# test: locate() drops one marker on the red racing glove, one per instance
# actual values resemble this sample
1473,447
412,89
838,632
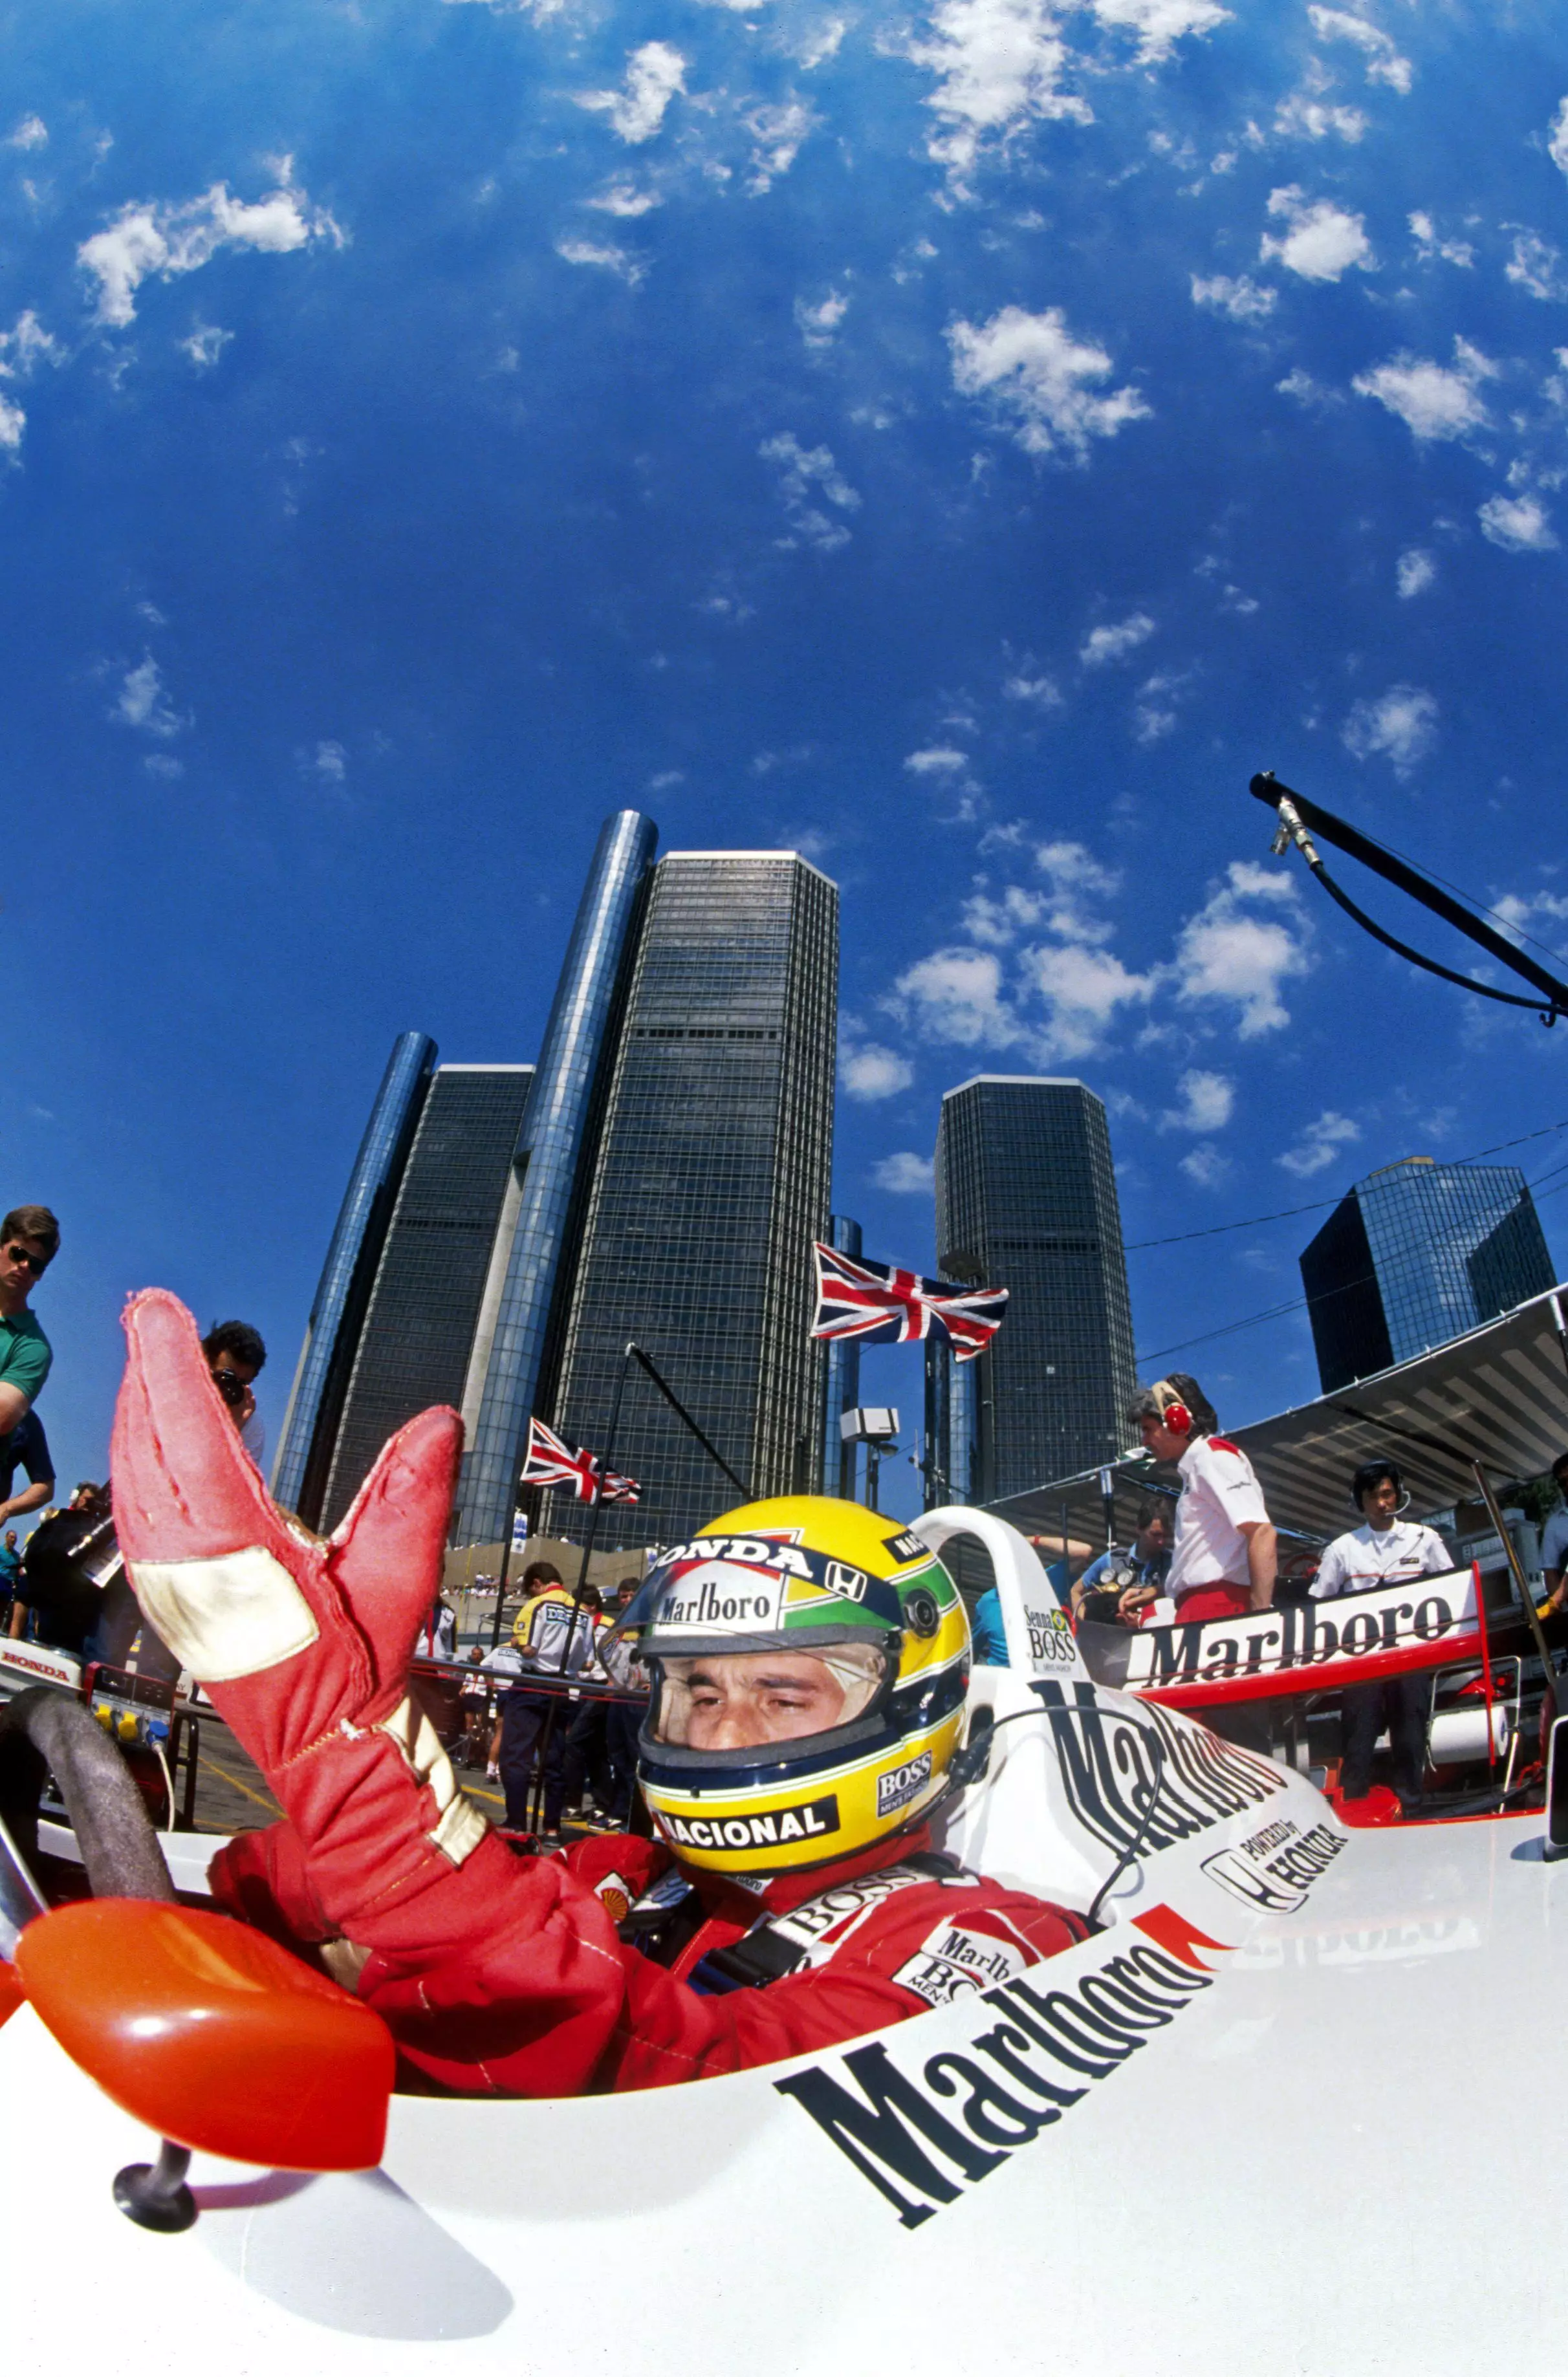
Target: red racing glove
304,1644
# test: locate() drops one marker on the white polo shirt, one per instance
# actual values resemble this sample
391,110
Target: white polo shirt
1219,1497
1368,1556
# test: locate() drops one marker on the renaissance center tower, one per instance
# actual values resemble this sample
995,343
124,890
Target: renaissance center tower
711,1181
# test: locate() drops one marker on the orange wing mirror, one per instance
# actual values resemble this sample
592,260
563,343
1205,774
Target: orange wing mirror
211,2034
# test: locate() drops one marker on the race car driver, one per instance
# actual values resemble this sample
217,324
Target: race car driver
810,1669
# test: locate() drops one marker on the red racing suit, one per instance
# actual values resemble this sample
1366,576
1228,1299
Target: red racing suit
544,1997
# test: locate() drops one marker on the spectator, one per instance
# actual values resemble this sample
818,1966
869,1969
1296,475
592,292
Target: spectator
622,1720
474,1701
439,1635
1386,1549
236,1354
10,1566
1116,1588
30,1239
27,1446
1554,1538
552,1639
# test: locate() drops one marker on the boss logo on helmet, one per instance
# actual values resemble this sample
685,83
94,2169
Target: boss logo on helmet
777,1829
903,1782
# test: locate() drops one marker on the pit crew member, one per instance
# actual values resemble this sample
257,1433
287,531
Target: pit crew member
1223,1559
809,1667
1120,1584
1386,1549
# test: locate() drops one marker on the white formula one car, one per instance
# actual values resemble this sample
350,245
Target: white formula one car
1274,2113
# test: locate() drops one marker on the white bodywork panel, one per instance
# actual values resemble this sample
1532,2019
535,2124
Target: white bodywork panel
1318,2158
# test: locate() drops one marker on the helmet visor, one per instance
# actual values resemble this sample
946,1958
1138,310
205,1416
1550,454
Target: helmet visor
738,1700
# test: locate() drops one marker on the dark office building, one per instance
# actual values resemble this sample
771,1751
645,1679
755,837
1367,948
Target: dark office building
711,1181
1416,1254
416,1345
1027,1200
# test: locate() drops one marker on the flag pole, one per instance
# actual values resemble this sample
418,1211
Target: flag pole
536,1796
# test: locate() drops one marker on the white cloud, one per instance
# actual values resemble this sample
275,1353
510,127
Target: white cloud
654,75
13,421
955,996
805,473
1430,249
1319,1144
1323,241
1557,145
1519,523
870,1073
1071,871
1154,712
1083,989
1244,299
1114,643
31,133
22,349
818,324
604,256
144,704
624,199
1206,1164
1515,915
1302,117
778,134
998,66
906,1174
1235,953
1160,24
1208,1101
205,345
331,763
149,236
1384,61
1033,368
1418,570
1431,399
998,922
1302,388
162,764
1534,265
1034,684
1400,723
941,760
820,42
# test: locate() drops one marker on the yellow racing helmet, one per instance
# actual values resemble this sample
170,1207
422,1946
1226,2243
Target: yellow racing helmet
762,1592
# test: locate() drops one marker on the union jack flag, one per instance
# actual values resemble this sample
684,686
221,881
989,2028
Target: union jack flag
887,1306
552,1463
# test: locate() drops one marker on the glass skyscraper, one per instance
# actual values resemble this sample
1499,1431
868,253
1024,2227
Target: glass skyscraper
444,1242
316,1400
1416,1254
1027,1200
523,1322
711,1181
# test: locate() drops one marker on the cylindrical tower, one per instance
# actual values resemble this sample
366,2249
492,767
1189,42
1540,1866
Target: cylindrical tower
304,1446
557,1129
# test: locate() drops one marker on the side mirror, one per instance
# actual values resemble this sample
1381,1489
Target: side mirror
212,2033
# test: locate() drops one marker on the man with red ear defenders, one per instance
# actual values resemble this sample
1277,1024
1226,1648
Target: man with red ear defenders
1223,1561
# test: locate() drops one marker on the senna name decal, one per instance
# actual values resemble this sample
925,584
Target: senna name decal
1418,1624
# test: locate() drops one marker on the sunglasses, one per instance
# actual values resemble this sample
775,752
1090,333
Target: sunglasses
37,1264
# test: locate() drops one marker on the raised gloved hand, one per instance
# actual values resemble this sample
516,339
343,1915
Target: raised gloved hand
303,1644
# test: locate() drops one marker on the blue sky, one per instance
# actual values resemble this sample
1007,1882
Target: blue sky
963,443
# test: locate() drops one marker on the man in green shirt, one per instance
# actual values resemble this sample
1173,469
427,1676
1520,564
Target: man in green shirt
30,1239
